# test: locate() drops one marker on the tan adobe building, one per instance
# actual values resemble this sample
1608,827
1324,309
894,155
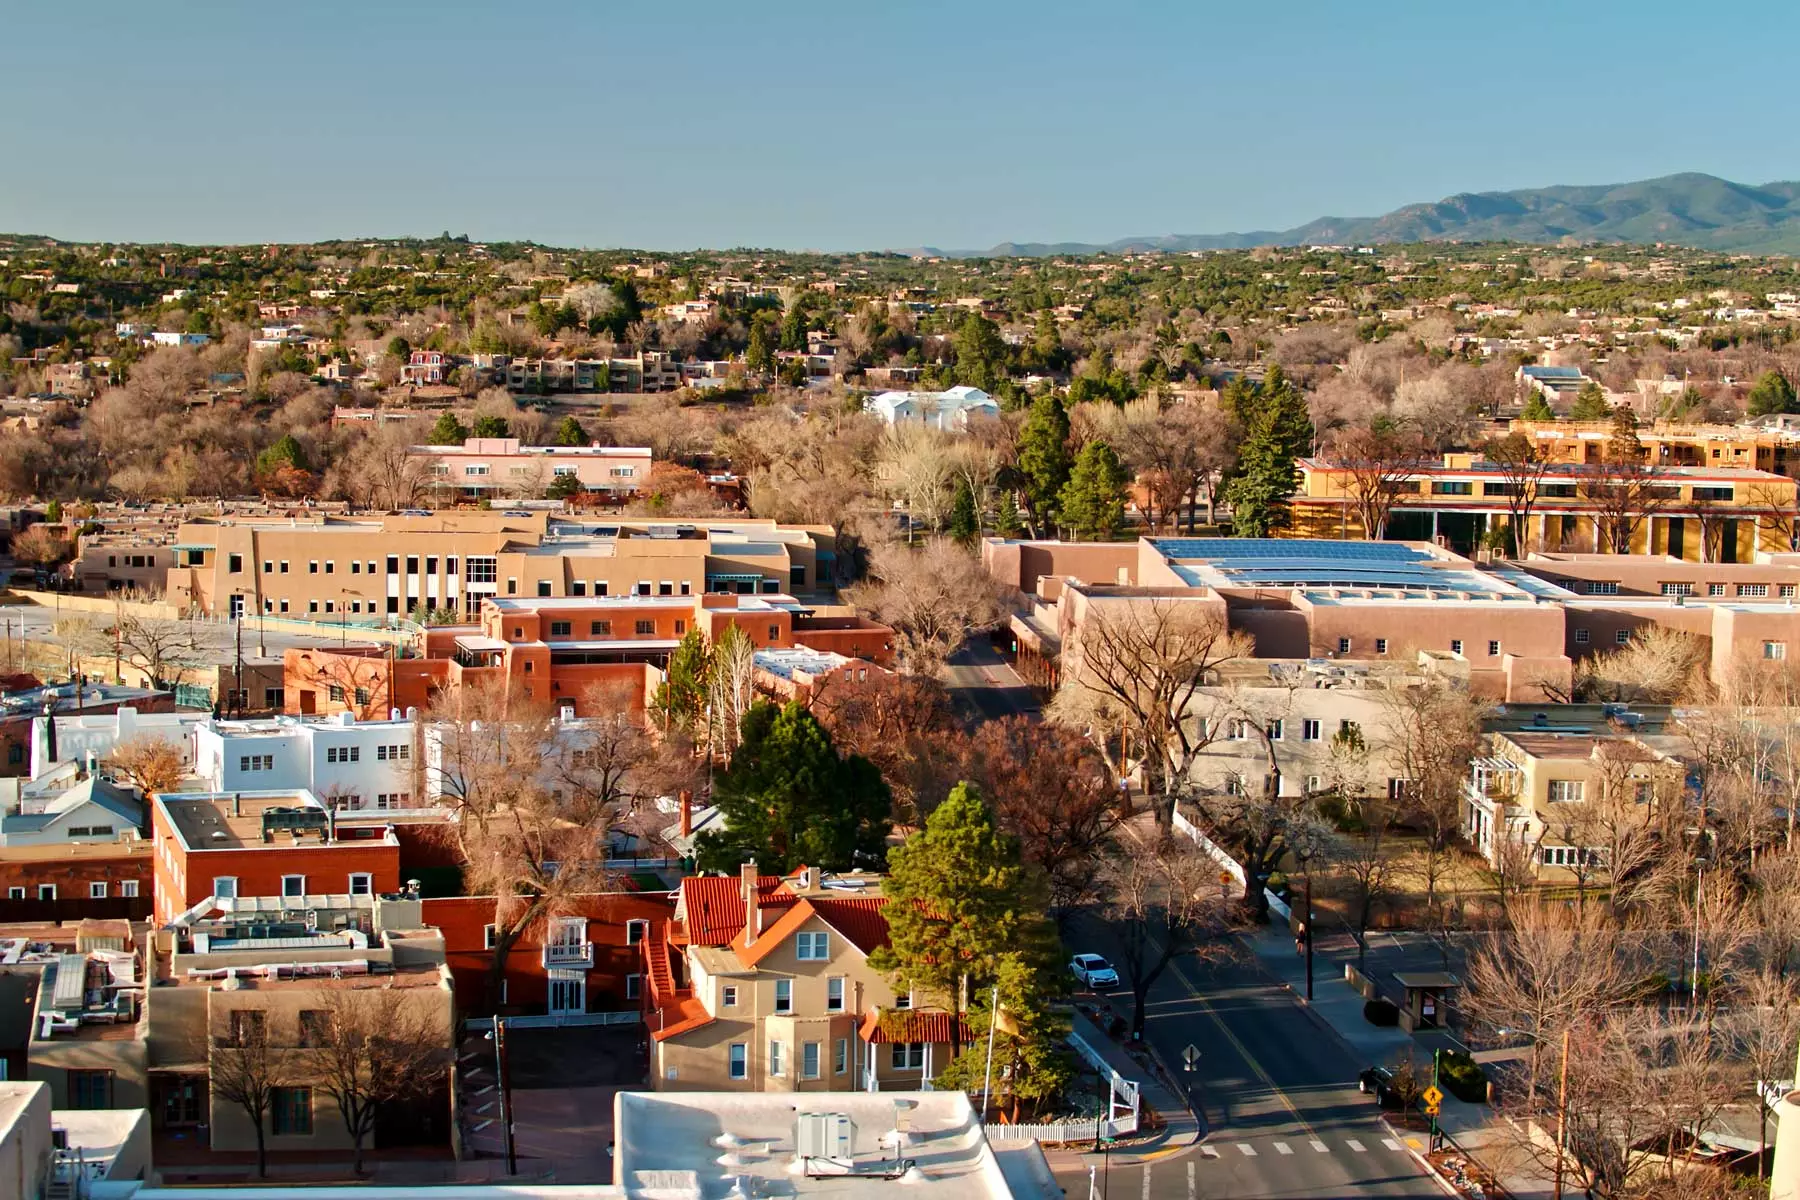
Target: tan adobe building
376,568
1560,796
484,468
762,983
1701,511
1771,446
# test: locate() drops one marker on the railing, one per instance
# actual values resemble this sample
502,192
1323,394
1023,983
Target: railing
569,955
1228,864
557,1020
1060,1131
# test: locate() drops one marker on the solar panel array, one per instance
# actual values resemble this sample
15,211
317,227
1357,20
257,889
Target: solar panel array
1293,562
1225,550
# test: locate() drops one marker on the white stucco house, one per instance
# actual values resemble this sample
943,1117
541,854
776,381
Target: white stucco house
946,410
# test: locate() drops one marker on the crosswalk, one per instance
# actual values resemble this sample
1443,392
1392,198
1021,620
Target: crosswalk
1248,1148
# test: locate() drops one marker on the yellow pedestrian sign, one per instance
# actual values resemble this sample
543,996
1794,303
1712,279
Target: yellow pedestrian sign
1432,1098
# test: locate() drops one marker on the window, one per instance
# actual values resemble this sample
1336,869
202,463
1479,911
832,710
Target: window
234,563
450,565
1621,636
330,566
784,995
512,585
834,994
312,567
600,586
1677,589
665,588
728,997
1453,487
362,883
1712,493
1381,645
480,570
90,1089
1581,637
336,692
1785,591
1349,729
776,1054
1603,587
1275,730
1774,651
1715,589
631,986
15,893
643,587
1753,591
738,1055
315,1027
284,566
543,587
1309,730
393,799
490,936
96,891
840,1057
396,752
561,628
646,628
1343,645
347,754
680,627
814,947
247,1026
293,885
635,931
907,1056
809,1060
1237,729
1234,784
1565,791
268,566
128,888
904,1001
1315,783
290,1111
1456,645
1493,649
362,697
355,567
225,887
1643,791
599,628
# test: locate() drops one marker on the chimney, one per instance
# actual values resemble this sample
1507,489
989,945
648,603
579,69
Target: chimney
687,813
237,804
747,877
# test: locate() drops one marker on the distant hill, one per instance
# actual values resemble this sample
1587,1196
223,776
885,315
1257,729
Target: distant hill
1691,209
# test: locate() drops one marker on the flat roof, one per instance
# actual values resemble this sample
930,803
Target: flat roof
1309,563
234,820
784,663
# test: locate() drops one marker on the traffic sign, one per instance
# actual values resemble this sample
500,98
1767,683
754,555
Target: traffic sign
1431,1110
1190,1056
1432,1098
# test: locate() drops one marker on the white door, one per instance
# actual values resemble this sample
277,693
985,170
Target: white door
568,990
237,606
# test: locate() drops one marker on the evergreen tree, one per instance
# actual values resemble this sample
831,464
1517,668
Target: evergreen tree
1093,501
1772,394
448,431
1292,424
490,427
1044,459
1590,404
1259,493
789,798
980,353
1046,342
1031,1066
570,433
961,905
760,354
286,452
53,512
1006,518
965,525
1538,409
682,694
793,329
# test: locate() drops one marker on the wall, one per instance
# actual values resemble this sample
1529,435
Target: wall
71,869
127,1057
25,1148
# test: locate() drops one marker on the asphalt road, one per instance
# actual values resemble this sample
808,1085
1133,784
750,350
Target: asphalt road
985,683
1279,1096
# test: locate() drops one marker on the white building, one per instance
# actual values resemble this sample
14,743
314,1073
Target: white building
947,410
74,738
64,809
346,763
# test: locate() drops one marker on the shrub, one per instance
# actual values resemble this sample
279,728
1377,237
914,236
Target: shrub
1381,1012
1462,1077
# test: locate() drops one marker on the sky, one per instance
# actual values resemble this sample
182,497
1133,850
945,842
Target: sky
846,126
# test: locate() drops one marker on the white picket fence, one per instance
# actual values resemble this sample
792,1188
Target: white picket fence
1228,864
1124,1106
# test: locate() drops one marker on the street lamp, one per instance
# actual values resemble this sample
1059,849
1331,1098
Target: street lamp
1699,882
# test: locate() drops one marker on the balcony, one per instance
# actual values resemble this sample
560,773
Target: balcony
570,954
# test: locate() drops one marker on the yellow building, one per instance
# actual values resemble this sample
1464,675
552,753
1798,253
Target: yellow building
1697,514
1773,447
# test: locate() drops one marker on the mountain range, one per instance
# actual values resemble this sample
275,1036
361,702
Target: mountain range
1690,209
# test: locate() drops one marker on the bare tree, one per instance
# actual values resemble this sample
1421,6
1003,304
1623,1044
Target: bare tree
933,597
1432,730
164,648
730,688
1162,901
1378,466
244,1070
149,763
1762,1026
374,1049
1365,867
1522,464
1623,487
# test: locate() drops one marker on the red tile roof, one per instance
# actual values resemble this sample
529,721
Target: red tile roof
713,909
912,1025
857,918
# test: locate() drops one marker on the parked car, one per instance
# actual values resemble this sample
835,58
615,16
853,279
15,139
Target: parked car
1093,972
1379,1082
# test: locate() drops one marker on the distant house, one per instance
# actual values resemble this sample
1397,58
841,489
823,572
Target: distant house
947,410
425,367
162,338
1553,383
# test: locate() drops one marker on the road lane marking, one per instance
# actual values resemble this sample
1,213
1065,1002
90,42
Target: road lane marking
1354,1144
1248,1149
1282,1148
1321,1147
1193,1187
1390,1143
1146,1183
1243,1051
1210,1151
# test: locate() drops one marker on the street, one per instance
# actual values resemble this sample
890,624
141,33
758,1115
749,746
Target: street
980,679
1278,1094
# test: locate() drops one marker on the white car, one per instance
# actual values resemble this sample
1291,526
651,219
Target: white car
1093,972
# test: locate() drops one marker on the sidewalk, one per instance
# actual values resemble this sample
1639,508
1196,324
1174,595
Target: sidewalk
1180,1130
1338,1009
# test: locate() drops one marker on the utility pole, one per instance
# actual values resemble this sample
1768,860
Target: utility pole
987,1076
506,1116
1309,934
1562,1114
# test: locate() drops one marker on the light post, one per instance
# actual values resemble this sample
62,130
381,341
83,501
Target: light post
1562,1098
498,1034
1699,882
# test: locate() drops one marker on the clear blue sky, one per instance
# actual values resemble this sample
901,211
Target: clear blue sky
856,125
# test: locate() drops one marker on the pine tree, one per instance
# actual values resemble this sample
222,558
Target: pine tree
965,525
793,329
448,431
1772,394
490,427
682,693
1044,459
760,353
570,433
1093,501
1538,409
1006,518
1266,478
1590,404
980,353
286,452
789,798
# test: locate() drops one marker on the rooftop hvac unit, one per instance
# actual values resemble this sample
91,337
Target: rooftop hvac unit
830,1136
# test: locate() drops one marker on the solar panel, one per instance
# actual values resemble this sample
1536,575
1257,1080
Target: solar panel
1222,550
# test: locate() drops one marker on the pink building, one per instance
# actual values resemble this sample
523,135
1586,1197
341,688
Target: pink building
485,468
425,367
